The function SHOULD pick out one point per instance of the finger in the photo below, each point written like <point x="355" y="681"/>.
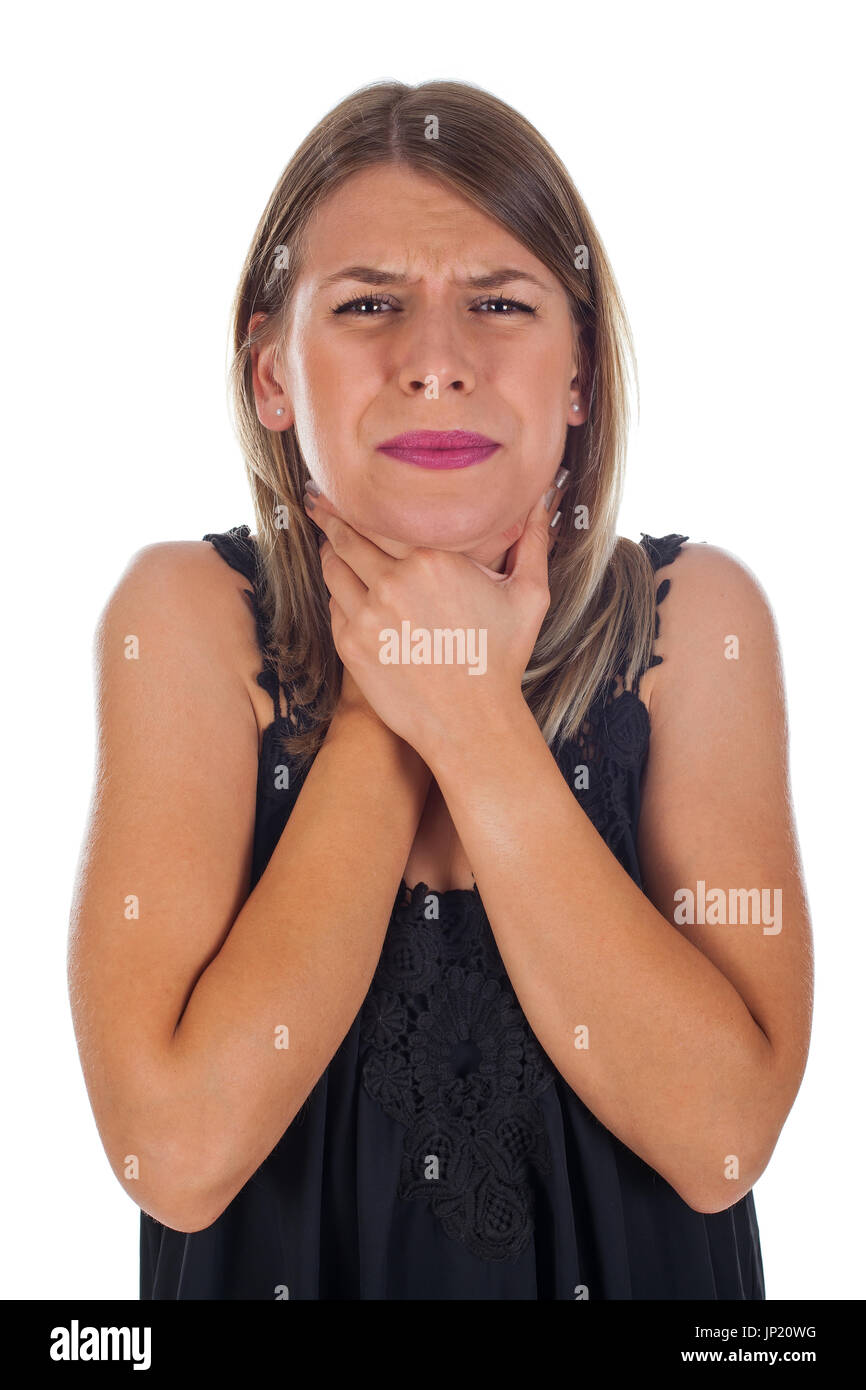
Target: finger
<point x="367" y="560"/>
<point x="344" y="586"/>
<point x="550" y="502"/>
<point x="338" y="622"/>
<point x="528" y="557"/>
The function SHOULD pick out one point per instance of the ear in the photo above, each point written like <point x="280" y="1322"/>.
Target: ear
<point x="273" y="405"/>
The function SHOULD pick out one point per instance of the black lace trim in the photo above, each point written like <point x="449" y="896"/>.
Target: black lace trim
<point x="661" y="550"/>
<point x="239" y="550"/>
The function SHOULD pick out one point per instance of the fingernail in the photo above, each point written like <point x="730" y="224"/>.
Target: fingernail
<point x="558" y="482"/>
<point x="555" y="520"/>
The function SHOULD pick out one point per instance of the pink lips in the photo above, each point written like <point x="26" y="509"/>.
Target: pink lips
<point x="439" y="448"/>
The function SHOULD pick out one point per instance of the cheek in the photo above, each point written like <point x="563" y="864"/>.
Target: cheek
<point x="320" y="363"/>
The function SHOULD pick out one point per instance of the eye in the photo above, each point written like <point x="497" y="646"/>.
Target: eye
<point x="373" y="302"/>
<point x="371" y="306"/>
<point x="509" y="303"/>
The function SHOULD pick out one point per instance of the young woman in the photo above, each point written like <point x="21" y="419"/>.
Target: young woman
<point x="440" y="930"/>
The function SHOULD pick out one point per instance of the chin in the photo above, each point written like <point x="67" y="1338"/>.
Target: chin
<point x="438" y="535"/>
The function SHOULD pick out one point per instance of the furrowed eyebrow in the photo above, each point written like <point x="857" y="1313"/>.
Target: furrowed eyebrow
<point x="371" y="275"/>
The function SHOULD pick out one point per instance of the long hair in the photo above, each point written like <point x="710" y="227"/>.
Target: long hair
<point x="600" y="622"/>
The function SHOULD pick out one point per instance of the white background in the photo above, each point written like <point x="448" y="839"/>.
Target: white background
<point x="718" y="148"/>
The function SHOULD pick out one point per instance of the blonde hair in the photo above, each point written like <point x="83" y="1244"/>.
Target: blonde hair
<point x="600" y="621"/>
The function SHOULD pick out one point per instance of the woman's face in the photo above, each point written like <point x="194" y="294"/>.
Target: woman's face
<point x="430" y="352"/>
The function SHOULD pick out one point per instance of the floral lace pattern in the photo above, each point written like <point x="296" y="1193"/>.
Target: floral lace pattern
<point x="611" y="744"/>
<point x="449" y="1054"/>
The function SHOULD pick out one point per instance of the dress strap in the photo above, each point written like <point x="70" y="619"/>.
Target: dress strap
<point x="238" y="548"/>
<point x="662" y="550"/>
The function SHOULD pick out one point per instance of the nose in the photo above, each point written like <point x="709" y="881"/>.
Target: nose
<point x="433" y="356"/>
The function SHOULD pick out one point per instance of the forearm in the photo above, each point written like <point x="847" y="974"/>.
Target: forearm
<point x="271" y="1009"/>
<point x="675" y="1065"/>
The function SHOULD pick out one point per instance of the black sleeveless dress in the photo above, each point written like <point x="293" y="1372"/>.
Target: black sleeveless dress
<point x="534" y="1198"/>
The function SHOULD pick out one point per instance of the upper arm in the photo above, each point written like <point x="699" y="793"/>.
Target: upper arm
<point x="716" y="803"/>
<point x="165" y="861"/>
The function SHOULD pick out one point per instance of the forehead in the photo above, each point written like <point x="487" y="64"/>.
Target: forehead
<point x="391" y="216"/>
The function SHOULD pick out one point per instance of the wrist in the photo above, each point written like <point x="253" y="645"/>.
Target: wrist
<point x="494" y="731"/>
<point x="360" y="726"/>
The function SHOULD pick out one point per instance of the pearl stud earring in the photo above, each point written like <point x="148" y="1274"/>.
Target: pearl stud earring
<point x="279" y="410"/>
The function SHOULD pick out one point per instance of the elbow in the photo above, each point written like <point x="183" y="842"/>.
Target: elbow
<point x="186" y="1220"/>
<point x="730" y="1156"/>
<point x="721" y="1179"/>
<point x="189" y="1222"/>
<point x="179" y="1210"/>
<point x="170" y="1167"/>
<point x="175" y="1197"/>
<point x="188" y="1205"/>
<point x="711" y="1201"/>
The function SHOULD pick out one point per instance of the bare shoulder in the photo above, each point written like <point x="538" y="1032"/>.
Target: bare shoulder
<point x="184" y="573"/>
<point x="714" y="615"/>
<point x="192" y="603"/>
